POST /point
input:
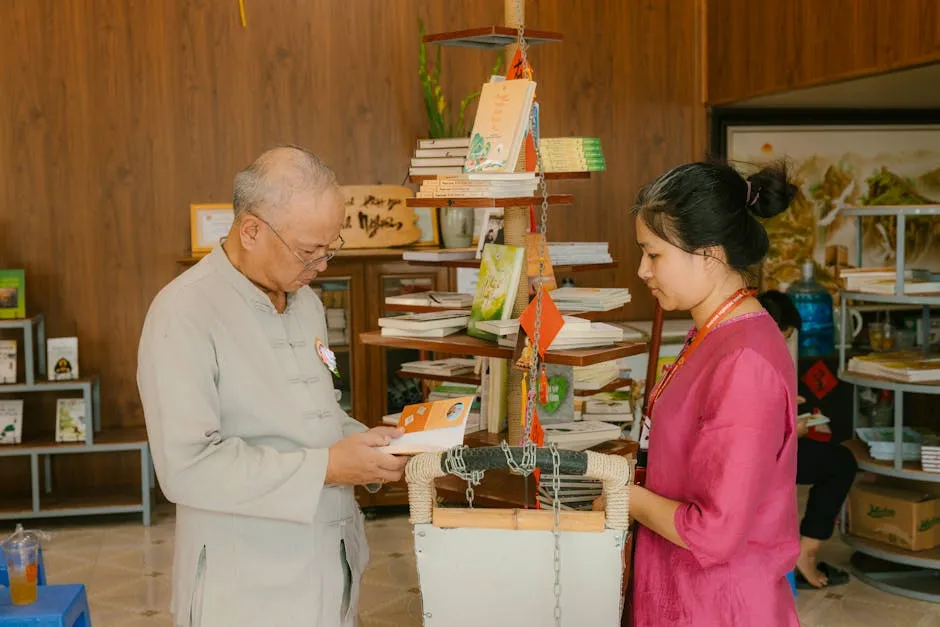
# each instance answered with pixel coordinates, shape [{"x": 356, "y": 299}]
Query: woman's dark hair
[
  {"x": 699, "y": 205},
  {"x": 781, "y": 309}
]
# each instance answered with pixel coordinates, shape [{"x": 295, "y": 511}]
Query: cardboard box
[{"x": 908, "y": 519}]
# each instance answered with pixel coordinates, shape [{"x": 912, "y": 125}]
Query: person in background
[
  {"x": 717, "y": 516},
  {"x": 248, "y": 438},
  {"x": 828, "y": 467}
]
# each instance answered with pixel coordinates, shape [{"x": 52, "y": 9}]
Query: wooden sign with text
[{"x": 376, "y": 217}]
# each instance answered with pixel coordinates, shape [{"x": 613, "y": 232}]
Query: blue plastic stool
[
  {"x": 5, "y": 576},
  {"x": 55, "y": 606},
  {"x": 791, "y": 577}
]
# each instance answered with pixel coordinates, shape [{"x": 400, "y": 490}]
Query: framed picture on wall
[
  {"x": 839, "y": 158},
  {"x": 208, "y": 223}
]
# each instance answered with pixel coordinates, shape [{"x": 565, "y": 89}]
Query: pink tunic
[{"x": 723, "y": 443}]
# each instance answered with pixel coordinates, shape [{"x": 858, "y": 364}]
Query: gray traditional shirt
[{"x": 240, "y": 413}]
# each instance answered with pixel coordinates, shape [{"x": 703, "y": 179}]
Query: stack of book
[
  {"x": 443, "y": 156},
  {"x": 930, "y": 454},
  {"x": 578, "y": 253},
  {"x": 480, "y": 185},
  {"x": 575, "y": 333},
  {"x": 590, "y": 298},
  {"x": 883, "y": 280},
  {"x": 607, "y": 408},
  {"x": 880, "y": 441},
  {"x": 440, "y": 254},
  {"x": 910, "y": 366},
  {"x": 336, "y": 327},
  {"x": 596, "y": 376},
  {"x": 455, "y": 300},
  {"x": 581, "y": 434},
  {"x": 572, "y": 154},
  {"x": 575, "y": 492},
  {"x": 440, "y": 367},
  {"x": 431, "y": 324}
]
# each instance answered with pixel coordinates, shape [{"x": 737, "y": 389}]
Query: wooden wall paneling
[
  {"x": 117, "y": 115},
  {"x": 759, "y": 48}
]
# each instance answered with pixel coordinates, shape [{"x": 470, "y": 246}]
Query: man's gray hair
[{"x": 271, "y": 180}]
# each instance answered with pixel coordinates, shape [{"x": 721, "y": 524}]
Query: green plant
[{"x": 440, "y": 122}]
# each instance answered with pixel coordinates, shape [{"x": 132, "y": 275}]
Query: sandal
[{"x": 835, "y": 577}]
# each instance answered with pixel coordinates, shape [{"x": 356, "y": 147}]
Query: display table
[{"x": 56, "y": 606}]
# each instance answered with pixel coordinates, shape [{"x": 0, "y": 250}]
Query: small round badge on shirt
[{"x": 327, "y": 357}]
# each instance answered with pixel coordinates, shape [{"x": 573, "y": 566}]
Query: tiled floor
[{"x": 127, "y": 567}]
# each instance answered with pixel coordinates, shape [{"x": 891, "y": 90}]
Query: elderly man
[{"x": 248, "y": 439}]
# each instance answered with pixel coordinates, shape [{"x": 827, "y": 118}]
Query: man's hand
[{"x": 354, "y": 460}]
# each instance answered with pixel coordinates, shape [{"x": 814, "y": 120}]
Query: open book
[{"x": 434, "y": 426}]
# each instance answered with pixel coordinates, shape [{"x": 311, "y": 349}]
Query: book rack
[
  {"x": 515, "y": 228},
  {"x": 49, "y": 502}
]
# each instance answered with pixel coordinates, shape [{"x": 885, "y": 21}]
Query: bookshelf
[
  {"x": 508, "y": 490},
  {"x": 39, "y": 445},
  {"x": 890, "y": 568}
]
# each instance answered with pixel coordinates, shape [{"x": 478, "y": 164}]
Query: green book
[
  {"x": 12, "y": 294},
  {"x": 500, "y": 272}
]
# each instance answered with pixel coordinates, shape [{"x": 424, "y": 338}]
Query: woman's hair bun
[{"x": 771, "y": 191}]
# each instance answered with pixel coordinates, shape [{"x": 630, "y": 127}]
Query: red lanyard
[{"x": 727, "y": 307}]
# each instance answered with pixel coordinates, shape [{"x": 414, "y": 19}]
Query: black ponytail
[{"x": 700, "y": 205}]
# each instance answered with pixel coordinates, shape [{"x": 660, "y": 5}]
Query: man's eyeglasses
[{"x": 307, "y": 264}]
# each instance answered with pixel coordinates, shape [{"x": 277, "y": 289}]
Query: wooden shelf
[
  {"x": 491, "y": 37},
  {"x": 475, "y": 263},
  {"x": 469, "y": 379},
  {"x": 613, "y": 386},
  {"x": 549, "y": 176},
  {"x": 346, "y": 254},
  {"x": 521, "y": 201},
  {"x": 463, "y": 344}
]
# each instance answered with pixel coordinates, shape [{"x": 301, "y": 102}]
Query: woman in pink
[{"x": 718, "y": 517}]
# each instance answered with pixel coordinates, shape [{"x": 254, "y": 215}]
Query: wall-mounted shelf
[
  {"x": 549, "y": 176},
  {"x": 523, "y": 201},
  {"x": 492, "y": 37},
  {"x": 475, "y": 263}
]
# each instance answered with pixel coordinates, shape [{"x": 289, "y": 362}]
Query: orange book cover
[{"x": 431, "y": 426}]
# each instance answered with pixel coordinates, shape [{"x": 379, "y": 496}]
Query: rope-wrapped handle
[{"x": 613, "y": 471}]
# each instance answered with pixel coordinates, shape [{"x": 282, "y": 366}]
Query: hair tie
[{"x": 751, "y": 202}]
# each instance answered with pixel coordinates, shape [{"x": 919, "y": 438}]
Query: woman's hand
[
  {"x": 599, "y": 504},
  {"x": 801, "y": 427}
]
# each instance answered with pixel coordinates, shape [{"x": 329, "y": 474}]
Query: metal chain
[
  {"x": 529, "y": 448},
  {"x": 542, "y": 229},
  {"x": 454, "y": 464},
  {"x": 556, "y": 511}
]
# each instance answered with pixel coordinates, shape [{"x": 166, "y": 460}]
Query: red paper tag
[
  {"x": 551, "y": 324},
  {"x": 819, "y": 379}
]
